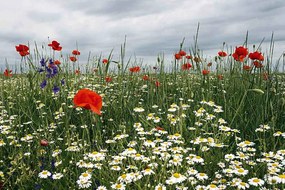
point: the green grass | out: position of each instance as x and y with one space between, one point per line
190 126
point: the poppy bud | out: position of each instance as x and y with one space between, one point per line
44 142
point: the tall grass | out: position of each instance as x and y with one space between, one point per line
174 130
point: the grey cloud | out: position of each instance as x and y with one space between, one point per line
114 9
43 16
151 26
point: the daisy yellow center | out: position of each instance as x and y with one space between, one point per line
176 134
44 172
147 170
118 186
138 155
94 153
240 170
256 180
130 149
242 183
89 170
247 142
159 188
176 175
200 110
213 186
282 176
238 167
198 157
124 176
202 174
85 174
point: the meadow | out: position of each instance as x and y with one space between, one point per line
205 124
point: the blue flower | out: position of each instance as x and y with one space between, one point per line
43 62
40 70
55 89
43 84
62 82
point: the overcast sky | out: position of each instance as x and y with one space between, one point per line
151 26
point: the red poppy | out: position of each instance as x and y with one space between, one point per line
76 52
257 64
159 128
182 53
88 99
135 69
22 49
145 77
188 57
7 73
55 45
77 71
108 79
220 77
157 83
186 66
205 72
222 54
265 76
197 59
240 53
105 61
73 58
44 142
177 56
256 56
57 62
246 67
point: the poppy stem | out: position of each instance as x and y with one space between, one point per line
240 104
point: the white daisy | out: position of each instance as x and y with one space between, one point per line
160 187
242 185
57 176
138 109
201 176
44 174
147 171
281 178
176 178
256 181
119 186
83 183
101 187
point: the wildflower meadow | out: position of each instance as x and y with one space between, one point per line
189 123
